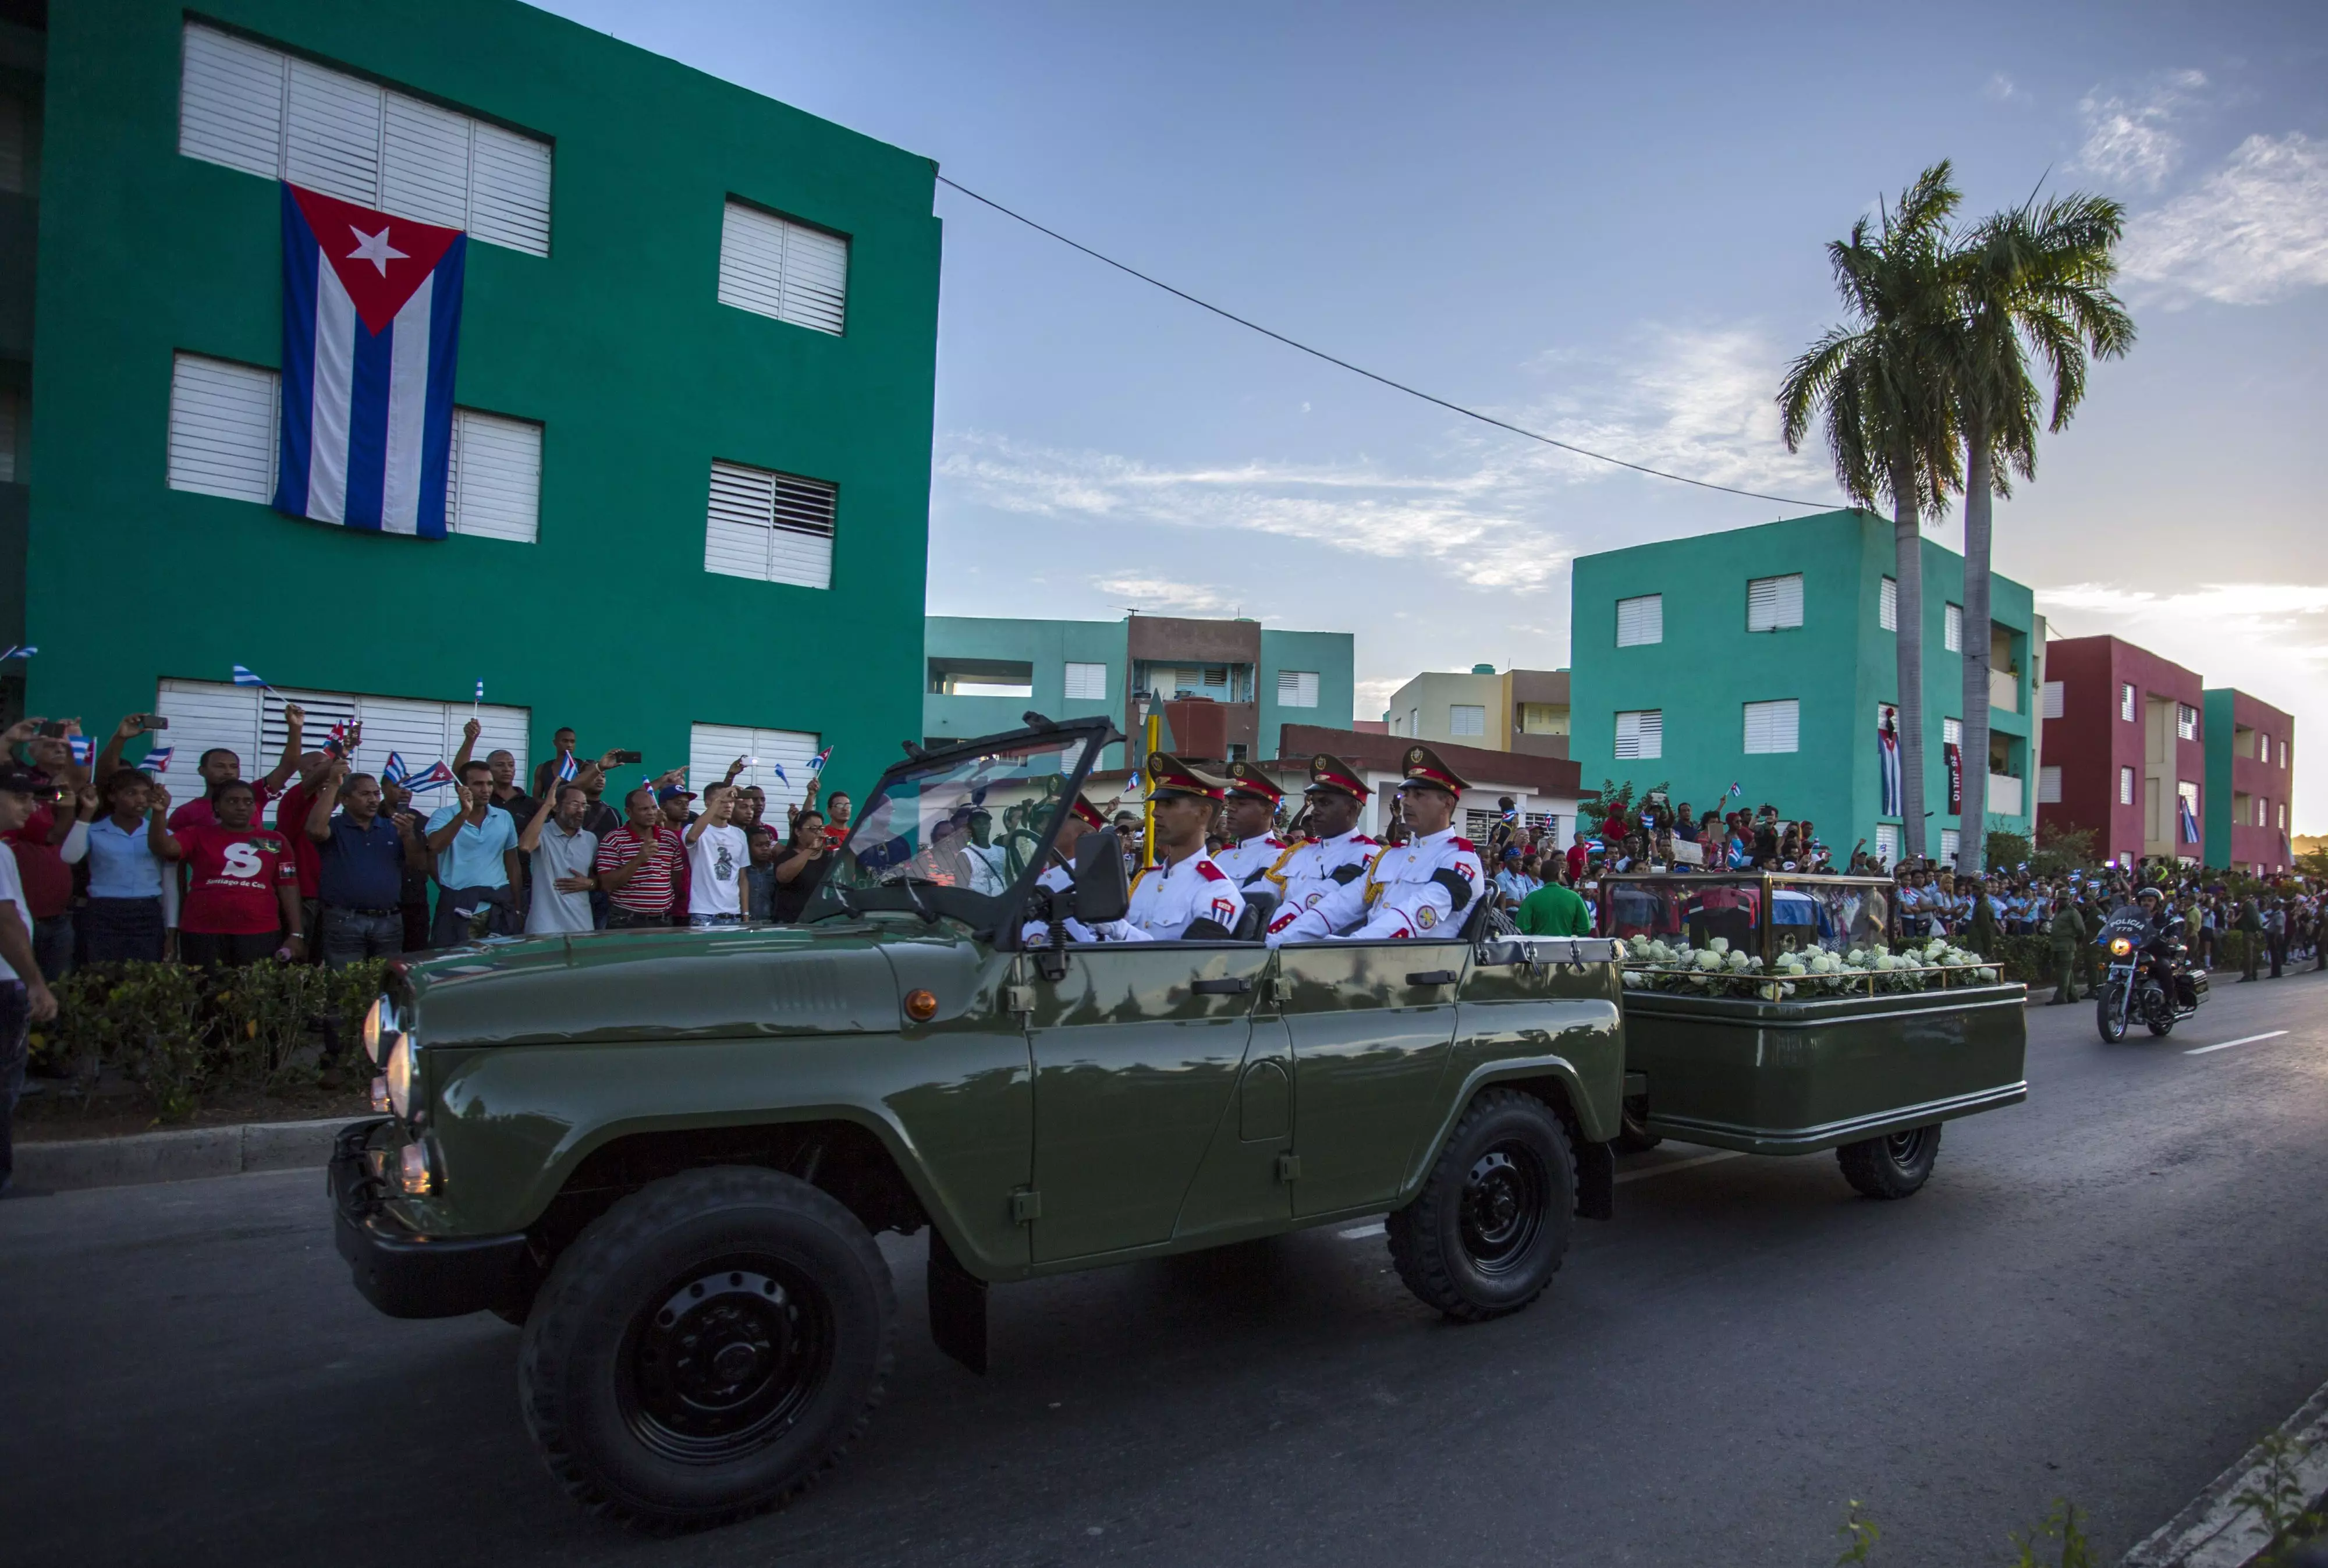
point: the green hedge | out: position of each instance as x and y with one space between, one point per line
175 1032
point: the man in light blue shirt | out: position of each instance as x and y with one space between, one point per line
476 845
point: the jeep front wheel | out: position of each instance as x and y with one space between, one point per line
707 1348
1488 1231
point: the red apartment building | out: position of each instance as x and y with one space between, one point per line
2250 782
2124 749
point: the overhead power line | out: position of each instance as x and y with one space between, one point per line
1372 375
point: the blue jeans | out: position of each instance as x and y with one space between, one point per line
352 935
53 945
708 921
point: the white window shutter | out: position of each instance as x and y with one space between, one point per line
1773 727
1887 843
205 714
230 101
1297 688
331 137
495 479
1949 841
775 267
1952 629
1952 732
1466 719
509 189
2126 786
1774 604
425 163
1640 621
1887 606
2049 785
2052 698
1086 682
223 425
712 746
776 527
1640 735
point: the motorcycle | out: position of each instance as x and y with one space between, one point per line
2146 978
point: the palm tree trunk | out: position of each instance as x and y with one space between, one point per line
1972 833
1908 568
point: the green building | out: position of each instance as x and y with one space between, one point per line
983 674
1765 657
689 504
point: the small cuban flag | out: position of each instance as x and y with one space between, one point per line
393 770
778 769
246 676
816 764
435 776
157 760
567 767
371 321
18 650
80 748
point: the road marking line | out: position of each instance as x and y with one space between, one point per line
1360 1233
2226 1045
1677 1165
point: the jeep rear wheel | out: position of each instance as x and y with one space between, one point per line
707 1348
1487 1233
1895 1166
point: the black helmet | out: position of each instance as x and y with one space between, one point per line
2142 893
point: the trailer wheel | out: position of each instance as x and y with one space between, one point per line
1894 1166
1487 1233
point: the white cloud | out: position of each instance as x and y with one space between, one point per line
1695 402
1163 595
1373 698
2130 140
2004 89
2253 231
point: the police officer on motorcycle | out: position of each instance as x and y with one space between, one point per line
2146 950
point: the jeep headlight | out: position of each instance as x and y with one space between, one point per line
398 1070
380 1028
2120 946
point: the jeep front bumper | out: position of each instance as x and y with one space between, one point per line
401 1272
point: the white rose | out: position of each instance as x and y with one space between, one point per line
1719 944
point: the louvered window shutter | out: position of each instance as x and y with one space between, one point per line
777 527
1952 629
222 428
230 101
1773 727
330 142
1773 604
509 189
1952 732
1086 682
1887 609
711 747
2049 785
424 161
1297 688
2053 694
774 266
495 478
1640 621
1640 735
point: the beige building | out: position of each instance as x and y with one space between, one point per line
1518 711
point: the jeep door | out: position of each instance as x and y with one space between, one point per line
1370 1023
1138 1051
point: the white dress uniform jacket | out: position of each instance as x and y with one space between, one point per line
1403 895
1166 899
1307 874
1243 862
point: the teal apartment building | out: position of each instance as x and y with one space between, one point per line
1766 657
691 451
982 673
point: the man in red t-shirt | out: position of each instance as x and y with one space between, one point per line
242 889
218 765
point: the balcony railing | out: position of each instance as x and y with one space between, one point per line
2004 690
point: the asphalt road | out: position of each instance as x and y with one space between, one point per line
2104 1295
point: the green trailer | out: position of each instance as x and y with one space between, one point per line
1806 1033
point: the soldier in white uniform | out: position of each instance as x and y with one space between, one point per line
1184 896
1251 811
1059 876
1335 854
1421 888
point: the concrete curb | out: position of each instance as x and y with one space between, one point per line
2218 1531
180 1156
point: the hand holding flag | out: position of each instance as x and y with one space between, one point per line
567 767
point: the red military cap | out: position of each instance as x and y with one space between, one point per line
1171 775
1246 780
1423 768
1087 812
1330 773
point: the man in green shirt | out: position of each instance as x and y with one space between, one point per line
1553 910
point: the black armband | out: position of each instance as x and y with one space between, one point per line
1447 877
1205 928
1345 875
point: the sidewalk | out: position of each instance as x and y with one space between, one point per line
179 1156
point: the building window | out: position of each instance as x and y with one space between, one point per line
2186 722
2125 701
1466 719
247 720
1774 604
1086 682
1641 735
494 486
1641 621
2190 803
1949 842
775 527
2049 785
1414 721
2283 816
711 747
2126 786
223 424
1773 727
774 266
1887 843
1297 688
2053 694
260 110
1952 629
1544 718
2282 753
1887 606
1951 732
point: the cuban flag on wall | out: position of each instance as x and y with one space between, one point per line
1887 760
372 321
2190 819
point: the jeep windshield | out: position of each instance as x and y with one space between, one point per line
954 835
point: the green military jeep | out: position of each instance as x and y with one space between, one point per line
666 1153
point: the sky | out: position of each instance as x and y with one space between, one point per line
1605 223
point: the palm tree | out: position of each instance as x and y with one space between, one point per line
1877 382
2036 278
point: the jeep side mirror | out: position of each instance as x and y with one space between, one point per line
1102 892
